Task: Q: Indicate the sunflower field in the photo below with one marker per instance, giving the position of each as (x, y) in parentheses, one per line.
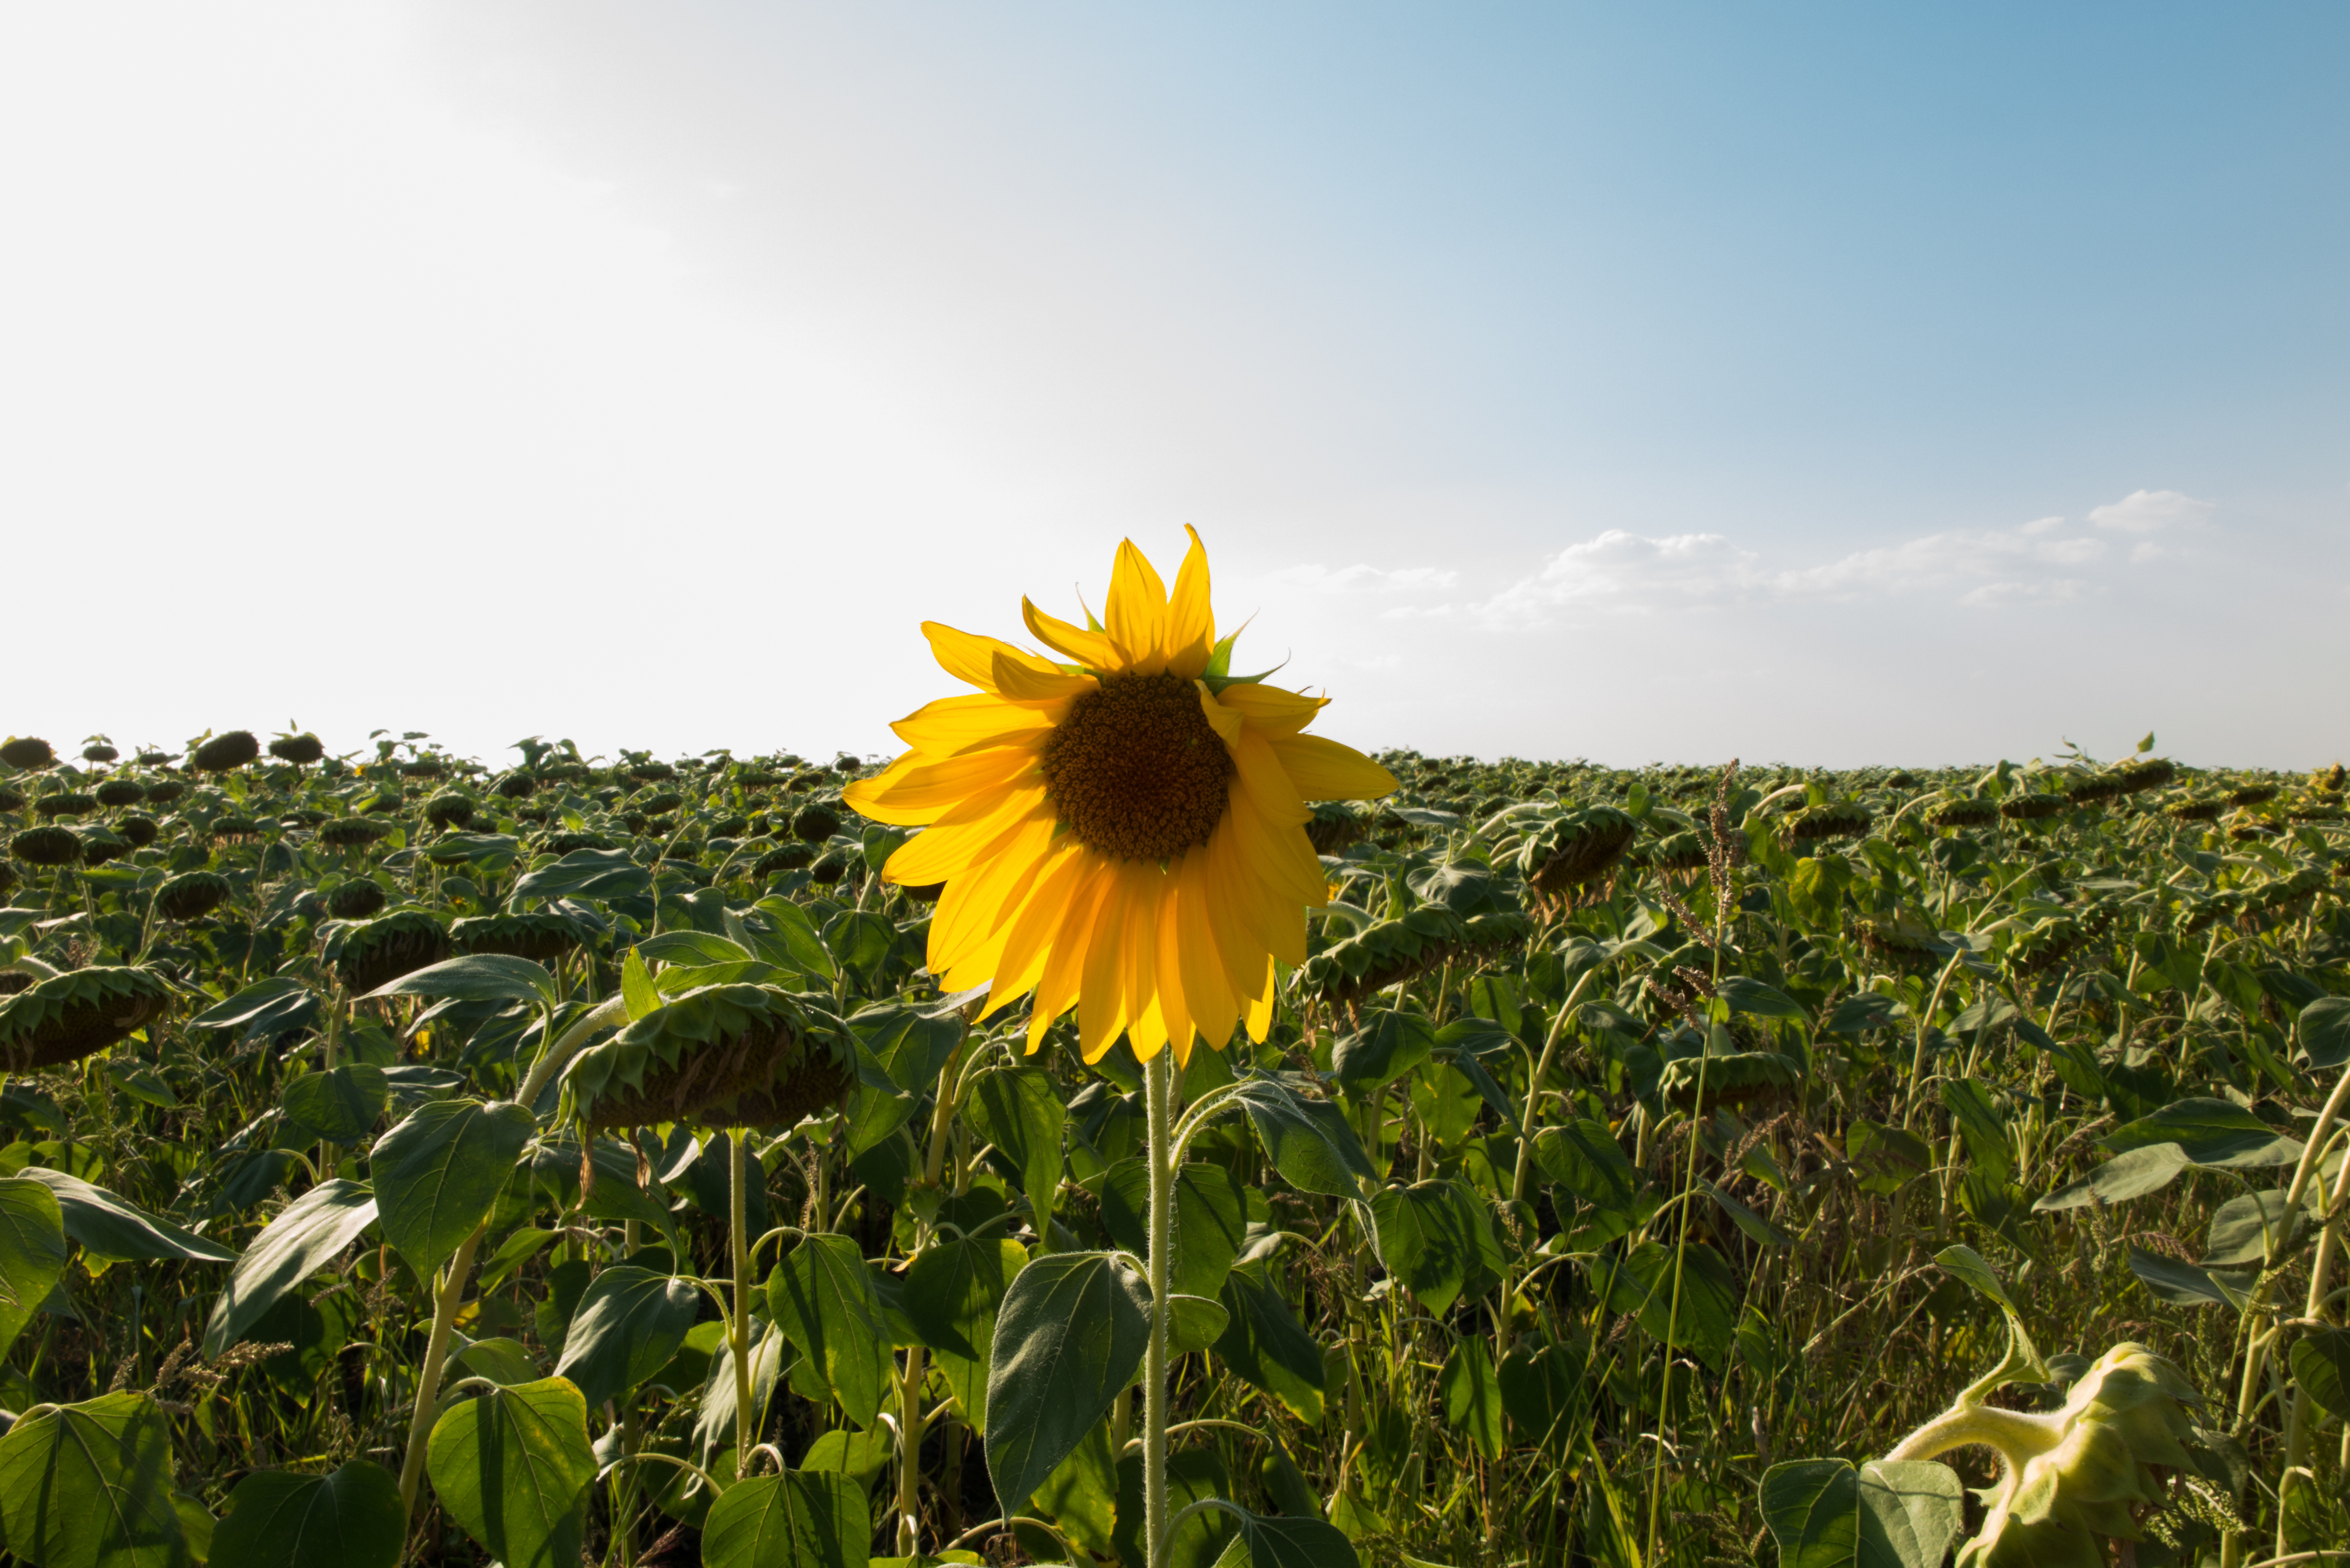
(408, 1160)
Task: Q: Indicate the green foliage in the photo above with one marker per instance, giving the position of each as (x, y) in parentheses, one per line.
(277, 1518)
(513, 1467)
(1569, 1191)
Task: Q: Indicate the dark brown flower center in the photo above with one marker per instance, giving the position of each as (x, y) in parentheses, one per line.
(1136, 771)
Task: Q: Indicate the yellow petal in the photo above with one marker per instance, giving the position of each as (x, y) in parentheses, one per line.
(1021, 683)
(1260, 1012)
(1146, 1029)
(972, 658)
(952, 725)
(1260, 773)
(944, 850)
(1271, 708)
(923, 792)
(1206, 991)
(1071, 943)
(1090, 649)
(1100, 1013)
(969, 910)
(1136, 612)
(1174, 997)
(1227, 722)
(1190, 634)
(1324, 770)
(1028, 936)
(1273, 899)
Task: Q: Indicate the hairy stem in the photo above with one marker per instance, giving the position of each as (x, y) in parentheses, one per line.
(1158, 1091)
(428, 1375)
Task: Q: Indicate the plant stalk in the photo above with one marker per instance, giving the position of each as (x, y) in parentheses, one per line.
(428, 1376)
(1158, 1093)
(738, 1330)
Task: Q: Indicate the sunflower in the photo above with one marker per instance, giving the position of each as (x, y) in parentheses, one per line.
(1124, 833)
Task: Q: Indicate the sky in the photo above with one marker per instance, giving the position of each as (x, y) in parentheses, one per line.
(1832, 384)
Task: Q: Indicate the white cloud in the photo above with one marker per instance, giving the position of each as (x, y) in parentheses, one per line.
(1621, 572)
(2146, 510)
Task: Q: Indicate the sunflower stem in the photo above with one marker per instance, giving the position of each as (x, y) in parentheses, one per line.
(738, 1331)
(1159, 1095)
(428, 1375)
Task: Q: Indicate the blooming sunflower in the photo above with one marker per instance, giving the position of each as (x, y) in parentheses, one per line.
(1123, 833)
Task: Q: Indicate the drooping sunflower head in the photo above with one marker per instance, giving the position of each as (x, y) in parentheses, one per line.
(1122, 828)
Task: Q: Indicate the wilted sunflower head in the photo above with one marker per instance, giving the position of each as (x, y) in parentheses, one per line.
(1122, 829)
(225, 752)
(191, 895)
(67, 1016)
(378, 952)
(300, 749)
(719, 1056)
(2106, 1451)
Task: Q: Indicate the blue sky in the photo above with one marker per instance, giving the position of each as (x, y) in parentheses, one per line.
(1834, 384)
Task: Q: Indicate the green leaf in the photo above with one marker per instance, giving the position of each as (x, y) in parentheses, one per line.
(1072, 1329)
(107, 1227)
(2321, 1364)
(587, 874)
(1824, 1513)
(340, 1106)
(478, 977)
(862, 1456)
(625, 1329)
(1081, 1494)
(1980, 1125)
(1210, 1222)
(513, 1467)
(2324, 1031)
(439, 1173)
(1426, 1236)
(1745, 994)
(953, 1292)
(1545, 1394)
(1473, 1394)
(822, 1298)
(2131, 1174)
(1389, 1043)
(2211, 1132)
(277, 1518)
(1583, 1157)
(1282, 1541)
(1194, 1322)
(808, 1518)
(637, 987)
(690, 946)
(266, 1007)
(1308, 1141)
(1021, 1113)
(294, 1245)
(1710, 1296)
(860, 939)
(713, 1425)
(2250, 1228)
(1756, 1227)
(90, 1486)
(1968, 1264)
(32, 1252)
(1264, 1343)
(2184, 1284)
(801, 941)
